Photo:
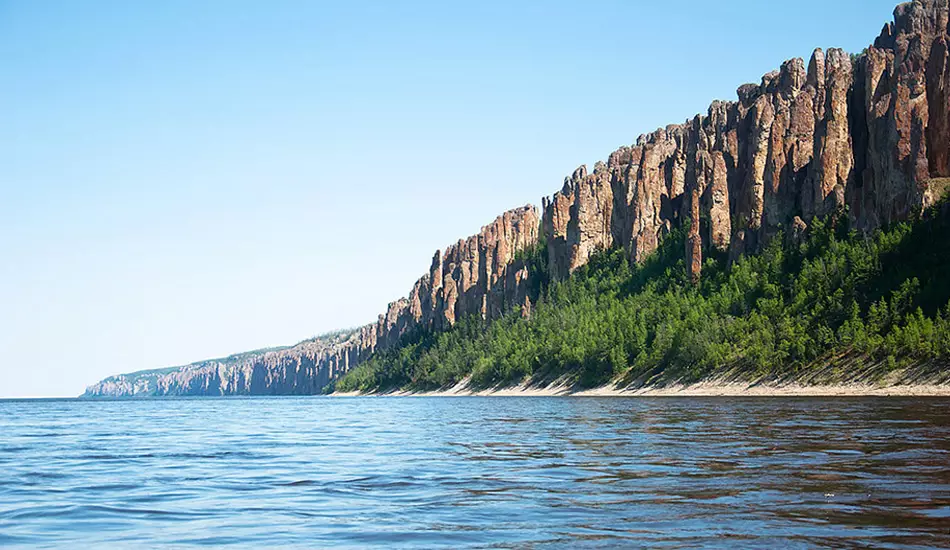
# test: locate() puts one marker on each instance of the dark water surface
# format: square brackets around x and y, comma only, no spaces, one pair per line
[476,472]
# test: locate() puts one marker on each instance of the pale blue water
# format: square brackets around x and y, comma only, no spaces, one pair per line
[475,472]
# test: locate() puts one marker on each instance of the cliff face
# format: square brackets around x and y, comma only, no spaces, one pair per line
[298,370]
[475,276]
[870,133]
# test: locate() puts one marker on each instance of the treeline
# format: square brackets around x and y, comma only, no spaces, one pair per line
[836,298]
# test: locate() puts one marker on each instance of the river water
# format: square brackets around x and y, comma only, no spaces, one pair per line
[475,472]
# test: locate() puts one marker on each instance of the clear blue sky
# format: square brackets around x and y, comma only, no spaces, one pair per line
[181,180]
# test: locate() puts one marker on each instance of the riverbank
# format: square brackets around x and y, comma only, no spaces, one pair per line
[702,389]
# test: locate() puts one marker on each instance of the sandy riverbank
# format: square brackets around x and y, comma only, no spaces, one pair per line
[702,389]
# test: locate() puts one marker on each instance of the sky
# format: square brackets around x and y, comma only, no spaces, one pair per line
[181,180]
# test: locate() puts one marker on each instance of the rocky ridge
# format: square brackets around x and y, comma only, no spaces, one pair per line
[870,133]
[867,133]
[479,275]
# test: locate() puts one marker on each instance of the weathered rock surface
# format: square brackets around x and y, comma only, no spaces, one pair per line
[868,133]
[475,276]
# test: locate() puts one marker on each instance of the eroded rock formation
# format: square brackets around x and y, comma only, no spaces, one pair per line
[480,275]
[869,132]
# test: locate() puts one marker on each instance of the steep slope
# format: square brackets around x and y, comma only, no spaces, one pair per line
[475,276]
[291,370]
[832,307]
[869,134]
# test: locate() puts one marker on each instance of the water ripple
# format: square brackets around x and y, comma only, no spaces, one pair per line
[475,472]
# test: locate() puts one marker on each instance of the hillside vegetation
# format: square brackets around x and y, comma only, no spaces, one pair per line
[838,303]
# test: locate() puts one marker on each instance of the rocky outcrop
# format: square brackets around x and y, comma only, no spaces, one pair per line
[869,133]
[481,275]
[303,369]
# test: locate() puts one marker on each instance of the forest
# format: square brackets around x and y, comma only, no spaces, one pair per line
[837,304]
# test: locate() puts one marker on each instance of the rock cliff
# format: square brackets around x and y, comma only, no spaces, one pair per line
[870,133]
[480,275]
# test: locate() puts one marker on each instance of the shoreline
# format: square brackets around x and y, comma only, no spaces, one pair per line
[701,389]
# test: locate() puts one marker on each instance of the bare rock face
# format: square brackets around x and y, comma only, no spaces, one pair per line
[694,251]
[480,275]
[303,369]
[866,133]
[475,276]
[903,86]
[798,231]
[578,219]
